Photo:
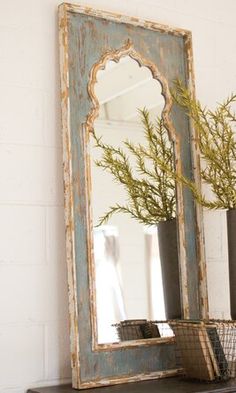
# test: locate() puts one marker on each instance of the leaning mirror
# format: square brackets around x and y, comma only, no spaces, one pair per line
[122,136]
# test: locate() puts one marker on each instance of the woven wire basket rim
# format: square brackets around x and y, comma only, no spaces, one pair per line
[198,321]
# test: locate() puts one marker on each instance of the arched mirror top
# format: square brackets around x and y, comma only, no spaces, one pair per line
[128,53]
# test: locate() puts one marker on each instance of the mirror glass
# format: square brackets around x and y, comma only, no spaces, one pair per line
[126,253]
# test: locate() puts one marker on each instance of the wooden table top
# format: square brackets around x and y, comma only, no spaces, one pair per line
[167,385]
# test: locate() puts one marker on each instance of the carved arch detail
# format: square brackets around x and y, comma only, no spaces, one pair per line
[115,55]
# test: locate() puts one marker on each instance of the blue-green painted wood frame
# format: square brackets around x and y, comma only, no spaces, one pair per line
[85,35]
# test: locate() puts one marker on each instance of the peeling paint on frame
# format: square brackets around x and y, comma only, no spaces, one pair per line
[69,183]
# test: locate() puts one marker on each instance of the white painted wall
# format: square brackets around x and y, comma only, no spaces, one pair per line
[34,347]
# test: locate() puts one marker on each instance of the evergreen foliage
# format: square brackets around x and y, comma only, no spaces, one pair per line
[150,183]
[217,143]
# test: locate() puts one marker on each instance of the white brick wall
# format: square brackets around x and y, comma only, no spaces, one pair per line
[34,347]
[34,343]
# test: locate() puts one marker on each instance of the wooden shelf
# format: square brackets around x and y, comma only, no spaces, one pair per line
[168,385]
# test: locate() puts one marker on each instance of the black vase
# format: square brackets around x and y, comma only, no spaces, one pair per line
[168,249]
[231,227]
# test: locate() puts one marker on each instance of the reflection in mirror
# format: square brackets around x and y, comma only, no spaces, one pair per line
[126,253]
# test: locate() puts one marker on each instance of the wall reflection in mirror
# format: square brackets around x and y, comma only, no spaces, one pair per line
[129,284]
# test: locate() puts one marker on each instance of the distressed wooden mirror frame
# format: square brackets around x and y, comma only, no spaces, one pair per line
[88,39]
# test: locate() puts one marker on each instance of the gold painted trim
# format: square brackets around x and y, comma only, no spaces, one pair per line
[68,195]
[132,378]
[134,343]
[120,18]
[200,241]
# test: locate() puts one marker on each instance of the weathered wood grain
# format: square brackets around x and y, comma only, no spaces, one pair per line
[87,39]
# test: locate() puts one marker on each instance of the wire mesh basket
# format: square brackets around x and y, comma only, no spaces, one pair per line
[136,329]
[206,349]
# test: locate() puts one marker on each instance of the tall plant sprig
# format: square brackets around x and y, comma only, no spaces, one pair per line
[149,183]
[217,143]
